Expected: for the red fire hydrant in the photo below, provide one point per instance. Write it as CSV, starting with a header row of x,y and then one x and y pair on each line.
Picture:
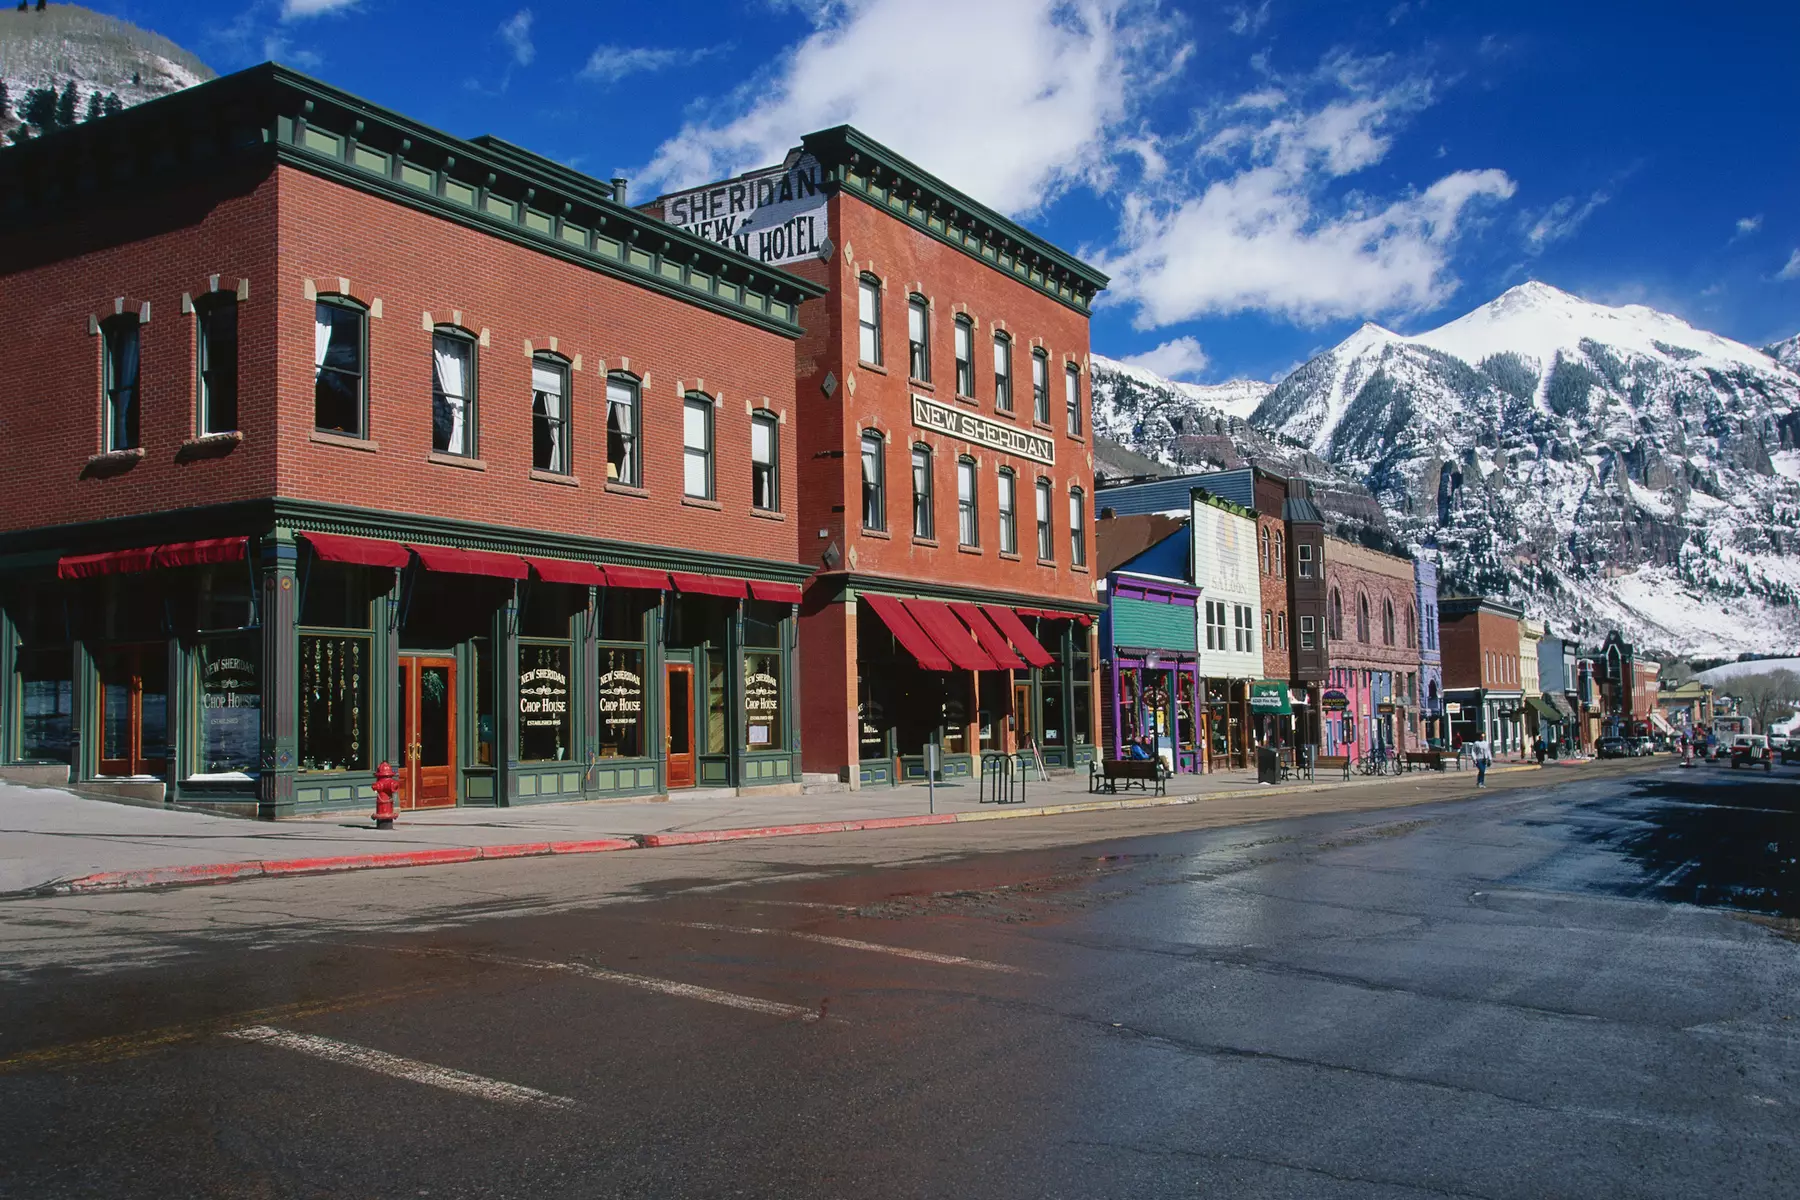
x,y
385,785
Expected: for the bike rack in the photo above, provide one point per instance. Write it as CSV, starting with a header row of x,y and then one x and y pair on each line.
x,y
1008,780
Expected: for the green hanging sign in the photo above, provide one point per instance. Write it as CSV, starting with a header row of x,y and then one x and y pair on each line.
x,y
1270,699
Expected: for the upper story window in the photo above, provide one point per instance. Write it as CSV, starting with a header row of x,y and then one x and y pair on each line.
x,y
1336,614
1265,551
924,515
1243,628
1268,629
965,357
1387,622
868,319
550,414
120,337
874,481
697,446
1046,538
1305,552
1007,506
1072,398
340,378
216,344
1278,559
1215,625
968,528
1077,527
1412,628
918,338
765,484
1362,618
1306,633
1003,396
1281,631
624,418
452,392
1040,386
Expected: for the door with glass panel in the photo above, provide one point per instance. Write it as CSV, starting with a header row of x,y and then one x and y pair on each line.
x,y
427,732
1023,731
678,725
134,709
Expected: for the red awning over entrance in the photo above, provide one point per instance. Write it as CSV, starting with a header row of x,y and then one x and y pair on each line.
x,y
709,585
781,593
562,570
936,619
1028,646
112,562
893,614
471,562
363,552
195,554
987,636
637,577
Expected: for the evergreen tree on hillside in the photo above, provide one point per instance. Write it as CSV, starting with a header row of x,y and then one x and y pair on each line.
x,y
114,105
5,102
65,107
39,108
96,107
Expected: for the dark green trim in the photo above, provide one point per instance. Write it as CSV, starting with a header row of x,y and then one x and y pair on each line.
x,y
40,548
269,115
863,167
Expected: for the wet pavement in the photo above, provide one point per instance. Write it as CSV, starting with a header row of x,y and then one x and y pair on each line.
x,y
1543,991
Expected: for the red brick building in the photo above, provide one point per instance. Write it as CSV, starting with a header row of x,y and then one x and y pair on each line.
x,y
942,401
1291,552
337,439
1372,623
1483,677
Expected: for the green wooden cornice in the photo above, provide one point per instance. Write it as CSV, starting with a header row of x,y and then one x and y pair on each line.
x,y
863,167
34,549
269,115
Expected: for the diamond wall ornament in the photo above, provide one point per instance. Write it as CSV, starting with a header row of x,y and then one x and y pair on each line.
x,y
829,387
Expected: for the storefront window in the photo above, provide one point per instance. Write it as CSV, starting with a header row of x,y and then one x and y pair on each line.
x,y
544,716
334,703
1186,717
1055,728
230,711
715,704
1081,701
762,700
873,722
620,696
1130,718
955,737
481,649
46,692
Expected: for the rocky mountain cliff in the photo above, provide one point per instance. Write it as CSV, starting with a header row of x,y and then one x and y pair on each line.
x,y
106,60
1602,466
1786,352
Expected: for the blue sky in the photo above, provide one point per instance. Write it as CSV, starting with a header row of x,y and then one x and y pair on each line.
x,y
1259,177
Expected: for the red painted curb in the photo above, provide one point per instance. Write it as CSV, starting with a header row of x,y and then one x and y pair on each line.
x,y
131,881
365,862
706,836
595,846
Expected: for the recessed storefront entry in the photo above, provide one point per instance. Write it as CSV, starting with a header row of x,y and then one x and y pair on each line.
x,y
134,709
678,720
428,729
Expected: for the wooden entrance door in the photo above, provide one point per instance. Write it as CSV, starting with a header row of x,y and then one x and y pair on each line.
x,y
678,724
134,709
1023,732
427,732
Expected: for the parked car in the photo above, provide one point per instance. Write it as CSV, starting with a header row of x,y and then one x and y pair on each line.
x,y
1646,746
1750,750
1612,747
1790,750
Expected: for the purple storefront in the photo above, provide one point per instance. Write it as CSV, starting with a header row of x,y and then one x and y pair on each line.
x,y
1150,677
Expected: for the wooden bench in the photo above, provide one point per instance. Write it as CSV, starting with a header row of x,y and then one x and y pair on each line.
x,y
1333,762
1431,759
1142,773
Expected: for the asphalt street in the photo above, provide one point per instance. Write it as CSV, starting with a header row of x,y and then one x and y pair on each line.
x,y
1585,990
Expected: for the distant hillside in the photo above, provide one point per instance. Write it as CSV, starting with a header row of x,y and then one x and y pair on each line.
x,y
99,62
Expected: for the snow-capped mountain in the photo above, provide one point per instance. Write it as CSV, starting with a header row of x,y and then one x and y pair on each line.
x,y
1603,466
1786,352
100,55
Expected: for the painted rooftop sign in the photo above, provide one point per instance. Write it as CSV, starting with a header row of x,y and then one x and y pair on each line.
x,y
776,216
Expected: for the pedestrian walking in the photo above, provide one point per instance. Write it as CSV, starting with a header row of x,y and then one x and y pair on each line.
x,y
1482,753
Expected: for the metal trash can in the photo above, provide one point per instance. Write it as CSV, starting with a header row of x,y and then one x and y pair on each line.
x,y
1268,765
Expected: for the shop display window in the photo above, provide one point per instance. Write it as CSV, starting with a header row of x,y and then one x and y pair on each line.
x,y
334,702
481,649
621,699
762,700
229,714
544,709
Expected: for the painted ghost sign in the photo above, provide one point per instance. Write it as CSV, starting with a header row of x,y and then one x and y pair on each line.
x,y
776,216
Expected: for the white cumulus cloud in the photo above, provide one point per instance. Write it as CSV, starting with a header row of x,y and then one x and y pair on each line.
x,y
515,31
1256,222
293,10
1181,358
1014,107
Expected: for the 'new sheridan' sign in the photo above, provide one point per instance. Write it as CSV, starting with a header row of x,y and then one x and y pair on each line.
x,y
929,414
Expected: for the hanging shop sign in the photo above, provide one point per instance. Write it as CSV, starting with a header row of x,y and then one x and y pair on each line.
x,y
1270,699
776,216
1386,706
1334,701
929,414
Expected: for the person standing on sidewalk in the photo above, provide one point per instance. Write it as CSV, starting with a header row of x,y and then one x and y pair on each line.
x,y
1482,752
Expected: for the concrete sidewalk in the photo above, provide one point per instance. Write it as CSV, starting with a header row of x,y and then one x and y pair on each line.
x,y
54,842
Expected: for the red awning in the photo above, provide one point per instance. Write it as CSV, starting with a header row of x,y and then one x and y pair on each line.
x,y
562,570
782,593
195,554
986,635
709,585
471,562
936,619
893,614
1056,614
637,577
364,552
112,562
1028,646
